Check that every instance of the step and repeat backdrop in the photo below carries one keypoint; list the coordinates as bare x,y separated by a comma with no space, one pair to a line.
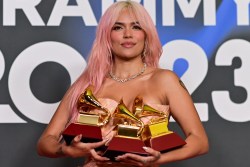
44,46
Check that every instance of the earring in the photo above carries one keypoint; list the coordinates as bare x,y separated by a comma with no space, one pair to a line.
144,52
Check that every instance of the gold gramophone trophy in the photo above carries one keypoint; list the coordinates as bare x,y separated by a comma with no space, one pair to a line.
128,138
88,123
156,134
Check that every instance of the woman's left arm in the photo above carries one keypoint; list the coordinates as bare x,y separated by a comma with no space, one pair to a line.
183,111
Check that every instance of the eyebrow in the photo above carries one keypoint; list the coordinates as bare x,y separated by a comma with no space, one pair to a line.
132,23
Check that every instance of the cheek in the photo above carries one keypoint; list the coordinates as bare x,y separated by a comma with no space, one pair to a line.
115,44
115,37
141,38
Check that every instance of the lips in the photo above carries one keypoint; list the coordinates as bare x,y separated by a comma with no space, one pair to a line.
128,44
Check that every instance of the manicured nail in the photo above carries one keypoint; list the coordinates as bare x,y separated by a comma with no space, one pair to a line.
145,148
79,136
106,139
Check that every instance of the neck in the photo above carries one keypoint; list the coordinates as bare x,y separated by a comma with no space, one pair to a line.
127,72
126,69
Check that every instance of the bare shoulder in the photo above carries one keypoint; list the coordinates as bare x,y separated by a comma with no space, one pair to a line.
165,76
167,79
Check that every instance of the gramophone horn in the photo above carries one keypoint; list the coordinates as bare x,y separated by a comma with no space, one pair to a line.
123,112
143,110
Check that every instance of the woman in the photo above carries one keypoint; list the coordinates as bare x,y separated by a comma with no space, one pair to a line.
123,64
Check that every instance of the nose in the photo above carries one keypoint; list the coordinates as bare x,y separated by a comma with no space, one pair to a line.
128,33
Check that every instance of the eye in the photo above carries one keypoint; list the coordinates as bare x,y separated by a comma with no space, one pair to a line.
137,27
116,28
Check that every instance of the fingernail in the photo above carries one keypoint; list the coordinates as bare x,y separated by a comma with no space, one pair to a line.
145,148
106,139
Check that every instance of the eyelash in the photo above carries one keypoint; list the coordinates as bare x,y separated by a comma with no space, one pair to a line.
116,28
137,27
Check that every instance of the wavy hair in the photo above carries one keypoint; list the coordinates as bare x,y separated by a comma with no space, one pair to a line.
100,57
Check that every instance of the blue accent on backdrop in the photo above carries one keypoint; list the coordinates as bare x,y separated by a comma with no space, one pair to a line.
207,37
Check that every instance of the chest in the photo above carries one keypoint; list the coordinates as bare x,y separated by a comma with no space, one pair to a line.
130,90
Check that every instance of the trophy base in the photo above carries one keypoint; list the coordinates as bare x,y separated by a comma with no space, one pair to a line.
89,133
120,145
166,142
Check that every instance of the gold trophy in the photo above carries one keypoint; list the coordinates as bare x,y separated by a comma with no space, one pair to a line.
156,134
128,138
92,117
88,102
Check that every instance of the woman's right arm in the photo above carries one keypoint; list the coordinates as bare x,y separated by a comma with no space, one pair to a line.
50,143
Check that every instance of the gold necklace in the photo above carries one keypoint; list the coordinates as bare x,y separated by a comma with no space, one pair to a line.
122,80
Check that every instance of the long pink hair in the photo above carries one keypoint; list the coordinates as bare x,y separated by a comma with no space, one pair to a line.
100,57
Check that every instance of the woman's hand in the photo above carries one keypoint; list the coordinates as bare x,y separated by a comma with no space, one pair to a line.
80,149
138,160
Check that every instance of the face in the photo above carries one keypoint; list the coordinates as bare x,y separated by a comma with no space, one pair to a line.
127,37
